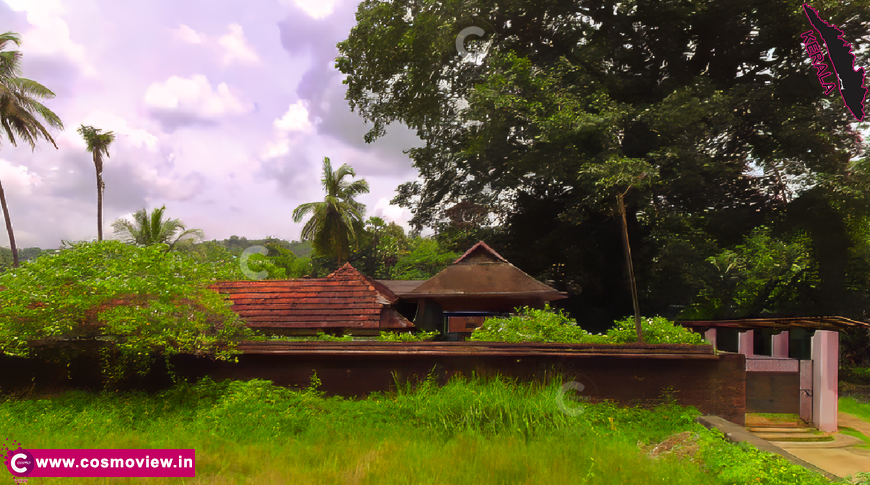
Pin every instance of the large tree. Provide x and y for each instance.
(98, 144)
(146, 230)
(336, 222)
(718, 99)
(20, 111)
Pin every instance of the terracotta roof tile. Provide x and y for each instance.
(344, 299)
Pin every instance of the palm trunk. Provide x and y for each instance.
(99, 205)
(9, 227)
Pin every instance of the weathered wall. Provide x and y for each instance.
(714, 384)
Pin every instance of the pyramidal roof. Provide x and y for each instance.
(481, 271)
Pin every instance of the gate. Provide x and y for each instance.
(779, 385)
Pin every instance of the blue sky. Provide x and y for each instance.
(223, 111)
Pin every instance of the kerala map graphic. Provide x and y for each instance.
(849, 80)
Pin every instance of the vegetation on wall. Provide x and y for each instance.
(136, 303)
(548, 325)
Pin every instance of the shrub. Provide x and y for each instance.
(656, 330)
(141, 302)
(548, 325)
(531, 325)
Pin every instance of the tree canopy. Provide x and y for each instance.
(140, 302)
(717, 100)
(146, 230)
(334, 223)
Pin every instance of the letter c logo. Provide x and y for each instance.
(14, 462)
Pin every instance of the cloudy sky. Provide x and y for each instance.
(223, 112)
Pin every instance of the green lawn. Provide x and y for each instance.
(469, 431)
(854, 407)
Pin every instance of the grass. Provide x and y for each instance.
(855, 407)
(468, 431)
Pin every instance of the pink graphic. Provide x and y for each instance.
(100, 463)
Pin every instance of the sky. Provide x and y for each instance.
(223, 112)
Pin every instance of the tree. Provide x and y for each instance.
(335, 222)
(136, 303)
(148, 230)
(703, 92)
(20, 111)
(98, 144)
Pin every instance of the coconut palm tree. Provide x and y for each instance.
(335, 222)
(19, 112)
(146, 230)
(98, 144)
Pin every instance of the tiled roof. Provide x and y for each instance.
(344, 299)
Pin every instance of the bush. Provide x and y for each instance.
(531, 325)
(548, 325)
(141, 302)
(656, 330)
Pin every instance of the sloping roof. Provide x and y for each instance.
(814, 323)
(482, 272)
(344, 299)
(401, 287)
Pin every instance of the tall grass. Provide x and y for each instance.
(468, 431)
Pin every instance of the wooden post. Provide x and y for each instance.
(627, 248)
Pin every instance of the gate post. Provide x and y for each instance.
(746, 343)
(825, 352)
(806, 390)
(779, 345)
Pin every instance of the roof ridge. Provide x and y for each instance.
(481, 244)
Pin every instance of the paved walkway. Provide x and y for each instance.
(844, 456)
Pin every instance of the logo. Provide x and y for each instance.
(560, 398)
(19, 462)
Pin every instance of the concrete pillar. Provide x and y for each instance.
(779, 345)
(825, 351)
(710, 335)
(746, 343)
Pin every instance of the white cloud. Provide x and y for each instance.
(50, 33)
(18, 178)
(389, 212)
(233, 47)
(317, 9)
(187, 34)
(294, 120)
(195, 96)
(236, 48)
(107, 121)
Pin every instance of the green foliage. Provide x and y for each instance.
(255, 431)
(320, 336)
(762, 275)
(335, 223)
(280, 263)
(139, 302)
(407, 336)
(532, 325)
(146, 230)
(656, 330)
(425, 259)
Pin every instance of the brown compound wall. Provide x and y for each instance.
(715, 384)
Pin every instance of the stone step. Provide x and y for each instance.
(777, 429)
(795, 437)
